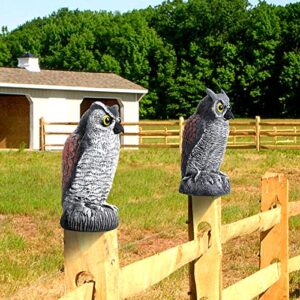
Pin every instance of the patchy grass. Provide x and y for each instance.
(152, 216)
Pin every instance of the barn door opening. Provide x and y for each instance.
(14, 121)
(86, 103)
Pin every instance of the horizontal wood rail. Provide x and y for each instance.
(257, 223)
(159, 266)
(258, 134)
(254, 285)
(95, 255)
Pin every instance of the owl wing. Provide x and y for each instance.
(71, 154)
(193, 131)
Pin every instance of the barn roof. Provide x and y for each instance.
(67, 80)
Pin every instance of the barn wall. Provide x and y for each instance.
(14, 121)
(64, 106)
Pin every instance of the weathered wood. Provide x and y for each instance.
(257, 132)
(241, 146)
(92, 256)
(241, 123)
(181, 127)
(274, 242)
(42, 134)
(253, 285)
(294, 208)
(61, 123)
(259, 222)
(83, 292)
(280, 123)
(142, 274)
(294, 264)
(279, 147)
(207, 274)
(279, 133)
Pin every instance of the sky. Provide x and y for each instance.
(16, 12)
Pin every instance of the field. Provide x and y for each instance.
(152, 216)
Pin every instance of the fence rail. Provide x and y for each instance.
(94, 256)
(257, 134)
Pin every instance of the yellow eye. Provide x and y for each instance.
(106, 121)
(220, 107)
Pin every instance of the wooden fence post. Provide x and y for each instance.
(257, 132)
(42, 134)
(206, 272)
(92, 257)
(181, 126)
(166, 136)
(275, 137)
(274, 242)
(140, 138)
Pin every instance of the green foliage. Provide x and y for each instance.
(177, 49)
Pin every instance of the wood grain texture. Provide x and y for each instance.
(92, 256)
(142, 274)
(207, 270)
(274, 242)
(251, 286)
(83, 292)
(259, 222)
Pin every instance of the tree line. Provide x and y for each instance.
(176, 50)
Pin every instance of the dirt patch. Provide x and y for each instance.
(240, 259)
(46, 287)
(25, 226)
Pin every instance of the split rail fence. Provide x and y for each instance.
(92, 268)
(245, 134)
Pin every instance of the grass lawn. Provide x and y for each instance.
(152, 216)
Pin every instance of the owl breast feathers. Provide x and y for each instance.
(203, 147)
(90, 158)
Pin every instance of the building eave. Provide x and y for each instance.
(72, 88)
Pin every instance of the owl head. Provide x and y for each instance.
(215, 106)
(99, 119)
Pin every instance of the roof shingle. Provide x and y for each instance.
(67, 78)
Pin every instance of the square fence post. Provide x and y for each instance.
(92, 257)
(206, 272)
(257, 133)
(274, 242)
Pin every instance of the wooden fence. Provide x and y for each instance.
(92, 268)
(245, 134)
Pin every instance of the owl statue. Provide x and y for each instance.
(203, 147)
(90, 158)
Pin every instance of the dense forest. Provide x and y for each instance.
(177, 49)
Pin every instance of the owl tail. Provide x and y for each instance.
(79, 217)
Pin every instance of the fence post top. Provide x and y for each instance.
(272, 175)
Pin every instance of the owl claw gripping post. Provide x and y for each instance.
(203, 147)
(90, 159)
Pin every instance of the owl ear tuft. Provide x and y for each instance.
(114, 110)
(211, 94)
(222, 91)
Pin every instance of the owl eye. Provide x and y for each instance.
(220, 107)
(106, 120)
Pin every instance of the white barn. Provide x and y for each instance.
(27, 94)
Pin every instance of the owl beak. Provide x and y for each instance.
(118, 128)
(229, 115)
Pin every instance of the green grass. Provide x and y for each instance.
(146, 191)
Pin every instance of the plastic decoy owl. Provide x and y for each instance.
(203, 147)
(90, 158)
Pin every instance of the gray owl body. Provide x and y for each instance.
(90, 158)
(203, 147)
